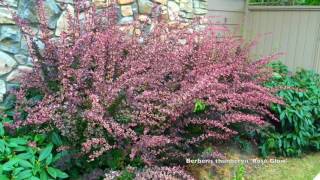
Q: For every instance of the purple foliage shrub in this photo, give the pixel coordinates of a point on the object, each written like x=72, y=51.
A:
x=103, y=88
x=154, y=173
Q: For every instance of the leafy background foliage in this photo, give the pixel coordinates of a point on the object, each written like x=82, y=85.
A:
x=28, y=156
x=299, y=127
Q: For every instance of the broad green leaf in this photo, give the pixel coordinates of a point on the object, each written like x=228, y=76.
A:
x=19, y=141
x=56, y=139
x=57, y=173
x=43, y=175
x=52, y=171
x=16, y=171
x=2, y=146
x=25, y=156
x=45, y=152
x=33, y=159
x=61, y=174
x=49, y=159
x=25, y=164
x=7, y=150
x=20, y=148
x=9, y=166
x=1, y=130
x=4, y=177
x=24, y=174
x=39, y=138
x=34, y=178
x=60, y=155
x=37, y=167
x=12, y=144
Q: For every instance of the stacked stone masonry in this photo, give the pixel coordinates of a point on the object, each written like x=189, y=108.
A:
x=14, y=57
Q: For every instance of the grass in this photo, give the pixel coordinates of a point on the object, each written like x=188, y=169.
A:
x=303, y=168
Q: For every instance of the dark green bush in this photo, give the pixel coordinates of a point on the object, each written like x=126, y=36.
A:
x=299, y=128
x=28, y=157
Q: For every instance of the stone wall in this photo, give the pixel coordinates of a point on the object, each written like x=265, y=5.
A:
x=14, y=59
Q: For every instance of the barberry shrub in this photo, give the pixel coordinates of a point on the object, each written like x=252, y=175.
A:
x=156, y=173
x=103, y=88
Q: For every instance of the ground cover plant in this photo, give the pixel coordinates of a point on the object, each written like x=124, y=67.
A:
x=127, y=101
x=299, y=128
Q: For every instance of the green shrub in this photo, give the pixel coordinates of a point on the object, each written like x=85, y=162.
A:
x=27, y=157
x=299, y=127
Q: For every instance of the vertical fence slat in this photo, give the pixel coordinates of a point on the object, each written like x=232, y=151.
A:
x=310, y=48
x=295, y=31
x=285, y=29
x=276, y=33
x=292, y=38
x=317, y=53
x=304, y=39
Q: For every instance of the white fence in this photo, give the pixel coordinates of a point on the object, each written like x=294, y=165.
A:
x=229, y=13
x=294, y=30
